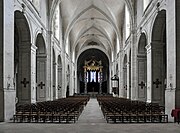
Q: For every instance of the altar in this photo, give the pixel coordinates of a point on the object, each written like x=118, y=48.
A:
x=92, y=94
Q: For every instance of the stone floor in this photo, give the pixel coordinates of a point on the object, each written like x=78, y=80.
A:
x=90, y=121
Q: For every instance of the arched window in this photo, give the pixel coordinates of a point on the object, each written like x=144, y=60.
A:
x=93, y=76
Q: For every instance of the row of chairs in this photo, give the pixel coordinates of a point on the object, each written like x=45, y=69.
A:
x=64, y=110
x=125, y=110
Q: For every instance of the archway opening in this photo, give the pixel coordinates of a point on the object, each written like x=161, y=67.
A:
x=142, y=68
x=41, y=59
x=93, y=72
x=159, y=58
x=22, y=59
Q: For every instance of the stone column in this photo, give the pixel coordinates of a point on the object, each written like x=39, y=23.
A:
x=49, y=66
x=76, y=82
x=134, y=92
x=33, y=73
x=55, y=86
x=63, y=75
x=71, y=79
x=170, y=93
x=85, y=81
x=128, y=80
x=149, y=73
x=100, y=83
x=121, y=76
x=7, y=91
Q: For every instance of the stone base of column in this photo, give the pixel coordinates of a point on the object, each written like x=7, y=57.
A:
x=8, y=107
x=170, y=95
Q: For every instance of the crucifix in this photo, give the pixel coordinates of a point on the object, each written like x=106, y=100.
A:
x=25, y=82
x=157, y=83
x=41, y=85
x=142, y=84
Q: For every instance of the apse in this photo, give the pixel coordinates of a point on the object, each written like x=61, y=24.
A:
x=93, y=72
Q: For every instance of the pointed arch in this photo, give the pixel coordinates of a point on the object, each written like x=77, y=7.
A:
x=159, y=59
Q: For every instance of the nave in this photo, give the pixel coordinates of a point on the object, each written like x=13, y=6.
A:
x=90, y=121
x=53, y=49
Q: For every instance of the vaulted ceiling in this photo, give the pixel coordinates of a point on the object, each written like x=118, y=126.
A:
x=92, y=23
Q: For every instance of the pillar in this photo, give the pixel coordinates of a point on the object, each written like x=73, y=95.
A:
x=85, y=81
x=100, y=83
x=149, y=73
x=171, y=90
x=7, y=91
x=128, y=80
x=55, y=86
x=134, y=89
x=33, y=73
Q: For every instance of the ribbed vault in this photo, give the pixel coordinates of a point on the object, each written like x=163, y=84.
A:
x=86, y=21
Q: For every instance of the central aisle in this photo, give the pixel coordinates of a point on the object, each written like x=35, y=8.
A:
x=92, y=113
